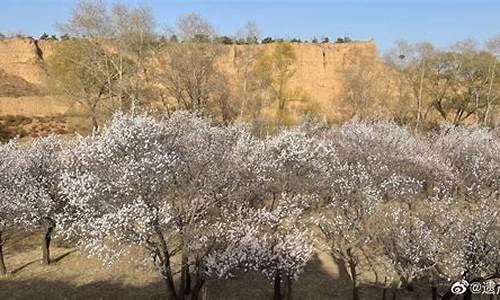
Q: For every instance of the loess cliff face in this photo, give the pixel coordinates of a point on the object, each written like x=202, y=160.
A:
x=22, y=58
x=319, y=68
x=25, y=109
x=320, y=72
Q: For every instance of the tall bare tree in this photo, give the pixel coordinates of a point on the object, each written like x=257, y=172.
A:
x=189, y=69
x=134, y=33
x=413, y=62
x=85, y=74
x=460, y=82
x=248, y=87
x=362, y=86
x=275, y=69
x=118, y=38
x=493, y=97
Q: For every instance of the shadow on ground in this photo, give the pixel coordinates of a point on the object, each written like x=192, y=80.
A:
x=44, y=289
x=322, y=279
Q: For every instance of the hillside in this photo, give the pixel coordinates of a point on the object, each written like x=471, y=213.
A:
x=319, y=73
x=319, y=67
x=22, y=58
x=15, y=86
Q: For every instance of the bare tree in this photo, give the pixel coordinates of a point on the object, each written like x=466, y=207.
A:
x=363, y=88
x=248, y=85
x=135, y=36
x=275, y=69
x=192, y=27
x=85, y=74
x=413, y=63
x=249, y=35
x=189, y=71
x=459, y=83
x=492, y=101
x=119, y=40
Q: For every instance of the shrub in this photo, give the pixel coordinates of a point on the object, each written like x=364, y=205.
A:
x=267, y=40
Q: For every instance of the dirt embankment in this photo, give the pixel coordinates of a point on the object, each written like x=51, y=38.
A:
x=15, y=86
x=319, y=73
x=22, y=58
x=319, y=67
x=25, y=108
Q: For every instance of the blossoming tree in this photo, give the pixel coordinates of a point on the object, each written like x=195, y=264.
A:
x=472, y=216
x=115, y=181
x=375, y=163
x=31, y=185
x=8, y=209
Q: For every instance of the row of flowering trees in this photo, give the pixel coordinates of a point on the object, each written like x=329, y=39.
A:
x=221, y=201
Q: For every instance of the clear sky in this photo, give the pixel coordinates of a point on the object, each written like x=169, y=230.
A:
x=441, y=21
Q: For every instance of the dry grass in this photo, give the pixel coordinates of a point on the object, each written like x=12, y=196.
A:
x=41, y=106
x=73, y=275
x=37, y=116
x=12, y=126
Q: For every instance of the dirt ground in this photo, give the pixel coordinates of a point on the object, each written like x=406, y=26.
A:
x=36, y=116
x=74, y=275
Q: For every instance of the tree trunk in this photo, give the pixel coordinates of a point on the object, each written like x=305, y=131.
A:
x=371, y=265
x=354, y=275
x=195, y=293
x=394, y=294
x=162, y=261
x=185, y=276
x=171, y=295
x=95, y=124
x=488, y=102
x=169, y=281
x=3, y=269
x=408, y=283
x=277, y=286
x=289, y=291
x=434, y=292
x=420, y=90
x=355, y=283
x=384, y=290
x=48, y=226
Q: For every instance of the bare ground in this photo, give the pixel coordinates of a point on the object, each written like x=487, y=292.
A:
x=74, y=275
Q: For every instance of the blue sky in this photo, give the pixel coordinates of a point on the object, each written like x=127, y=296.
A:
x=441, y=21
